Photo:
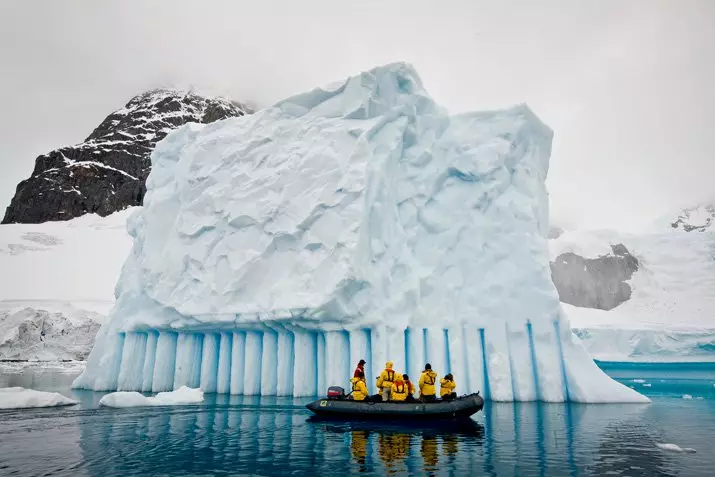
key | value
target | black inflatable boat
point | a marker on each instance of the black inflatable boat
(459, 408)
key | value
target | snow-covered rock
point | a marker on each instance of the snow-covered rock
(31, 334)
(18, 398)
(106, 172)
(698, 219)
(354, 221)
(183, 395)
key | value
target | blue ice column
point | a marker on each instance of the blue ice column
(252, 369)
(305, 375)
(209, 362)
(238, 362)
(415, 353)
(522, 375)
(188, 360)
(165, 362)
(337, 355)
(149, 361)
(359, 350)
(551, 385)
(285, 364)
(474, 363)
(269, 364)
(223, 376)
(498, 364)
(130, 374)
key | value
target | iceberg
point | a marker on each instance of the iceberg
(181, 396)
(20, 398)
(357, 220)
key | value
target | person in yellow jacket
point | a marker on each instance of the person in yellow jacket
(400, 389)
(426, 384)
(385, 380)
(446, 388)
(359, 387)
(410, 388)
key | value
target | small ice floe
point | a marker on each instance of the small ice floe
(647, 385)
(18, 398)
(687, 396)
(675, 448)
(183, 395)
(640, 381)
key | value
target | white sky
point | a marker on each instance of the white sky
(627, 86)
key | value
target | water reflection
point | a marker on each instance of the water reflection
(275, 436)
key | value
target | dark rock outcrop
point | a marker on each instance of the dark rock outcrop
(107, 172)
(594, 282)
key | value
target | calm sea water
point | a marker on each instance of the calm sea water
(275, 436)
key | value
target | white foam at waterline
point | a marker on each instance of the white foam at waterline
(687, 396)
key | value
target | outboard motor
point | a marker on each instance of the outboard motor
(336, 393)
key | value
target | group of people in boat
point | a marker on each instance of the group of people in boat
(397, 387)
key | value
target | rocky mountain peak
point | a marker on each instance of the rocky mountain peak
(696, 219)
(107, 171)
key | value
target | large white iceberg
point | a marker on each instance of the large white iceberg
(359, 220)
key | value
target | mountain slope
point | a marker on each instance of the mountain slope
(107, 171)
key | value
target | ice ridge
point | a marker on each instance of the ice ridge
(358, 220)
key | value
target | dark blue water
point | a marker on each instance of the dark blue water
(274, 436)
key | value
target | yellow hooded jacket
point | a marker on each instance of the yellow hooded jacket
(359, 389)
(387, 377)
(427, 382)
(446, 387)
(399, 390)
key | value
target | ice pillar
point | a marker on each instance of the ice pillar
(337, 350)
(209, 362)
(223, 376)
(238, 362)
(253, 361)
(188, 360)
(130, 374)
(284, 386)
(165, 362)
(269, 364)
(305, 377)
(149, 361)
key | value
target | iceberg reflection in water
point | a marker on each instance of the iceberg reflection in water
(239, 435)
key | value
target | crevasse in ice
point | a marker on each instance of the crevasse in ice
(358, 220)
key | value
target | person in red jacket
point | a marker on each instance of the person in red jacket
(360, 369)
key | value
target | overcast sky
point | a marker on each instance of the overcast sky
(627, 86)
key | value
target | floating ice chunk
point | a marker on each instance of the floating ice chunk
(687, 396)
(647, 385)
(183, 395)
(641, 381)
(675, 448)
(18, 398)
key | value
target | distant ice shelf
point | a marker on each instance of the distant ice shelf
(359, 220)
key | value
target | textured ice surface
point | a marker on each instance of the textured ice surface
(359, 220)
(181, 396)
(17, 397)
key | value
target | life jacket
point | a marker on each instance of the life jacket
(429, 379)
(401, 387)
(390, 375)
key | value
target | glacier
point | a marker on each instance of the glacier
(357, 220)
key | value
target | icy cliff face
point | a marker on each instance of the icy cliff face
(354, 221)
